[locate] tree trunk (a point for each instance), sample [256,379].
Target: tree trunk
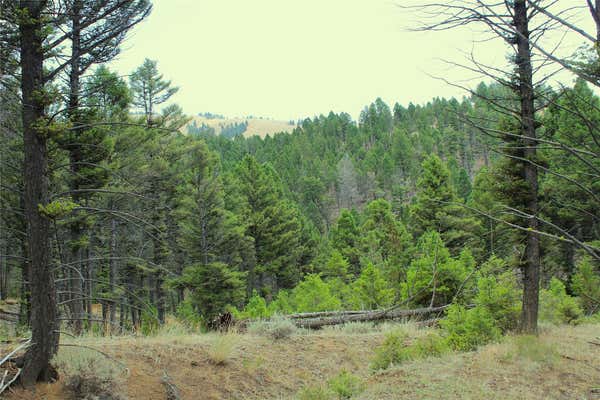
[531,267]
[44,329]
[76,289]
[112,273]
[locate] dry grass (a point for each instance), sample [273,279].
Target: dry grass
[559,365]
[256,126]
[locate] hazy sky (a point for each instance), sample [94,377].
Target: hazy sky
[290,59]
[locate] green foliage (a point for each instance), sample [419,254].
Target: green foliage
[212,287]
[58,208]
[346,385]
[395,349]
[586,284]
[500,297]
[255,308]
[370,291]
[557,307]
[434,268]
[188,314]
[314,393]
[466,329]
[437,207]
[313,295]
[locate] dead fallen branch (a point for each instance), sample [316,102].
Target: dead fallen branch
[9,367]
[171,389]
[366,316]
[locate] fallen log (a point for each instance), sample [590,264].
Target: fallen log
[368,316]
[326,314]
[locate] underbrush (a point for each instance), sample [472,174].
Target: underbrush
[276,328]
[222,347]
[344,385]
[396,349]
[89,375]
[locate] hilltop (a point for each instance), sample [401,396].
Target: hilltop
[257,126]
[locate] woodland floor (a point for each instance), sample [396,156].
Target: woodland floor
[261,368]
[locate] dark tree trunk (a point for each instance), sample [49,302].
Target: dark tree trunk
[77,300]
[112,273]
[44,329]
[531,266]
[25,308]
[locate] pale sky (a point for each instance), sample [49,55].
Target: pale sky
[290,59]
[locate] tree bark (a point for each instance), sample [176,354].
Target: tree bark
[77,301]
[112,273]
[43,301]
[531,267]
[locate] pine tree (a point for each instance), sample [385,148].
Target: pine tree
[275,226]
[437,208]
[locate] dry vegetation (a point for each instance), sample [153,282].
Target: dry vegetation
[562,364]
[256,126]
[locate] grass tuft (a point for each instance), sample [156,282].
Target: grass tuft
[223,347]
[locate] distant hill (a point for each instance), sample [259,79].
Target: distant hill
[256,126]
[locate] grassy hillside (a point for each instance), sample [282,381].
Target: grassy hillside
[561,364]
[256,126]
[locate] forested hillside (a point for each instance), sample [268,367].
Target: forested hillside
[479,216]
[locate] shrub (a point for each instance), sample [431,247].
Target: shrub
[395,351]
[277,327]
[314,393]
[89,376]
[313,295]
[256,308]
[586,284]
[465,330]
[500,297]
[222,348]
[371,290]
[557,307]
[345,385]
[187,314]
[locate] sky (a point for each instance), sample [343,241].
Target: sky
[291,59]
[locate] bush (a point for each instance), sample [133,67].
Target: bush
[346,385]
[394,350]
[465,330]
[256,308]
[89,376]
[557,307]
[313,295]
[501,298]
[277,327]
[187,314]
[314,393]
[222,348]
[586,284]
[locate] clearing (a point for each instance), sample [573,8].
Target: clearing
[564,363]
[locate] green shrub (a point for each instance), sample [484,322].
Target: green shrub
[501,298]
[370,290]
[394,349]
[557,307]
[465,330]
[313,295]
[256,308]
[586,285]
[314,393]
[346,385]
[276,327]
[187,314]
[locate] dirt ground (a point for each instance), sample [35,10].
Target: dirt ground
[263,368]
